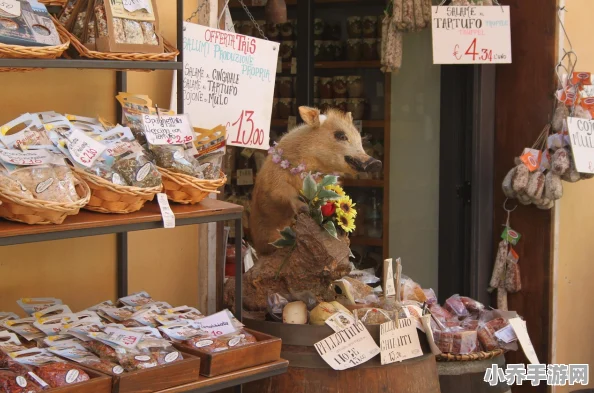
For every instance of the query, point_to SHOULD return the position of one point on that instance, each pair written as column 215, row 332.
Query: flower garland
column 277, row 158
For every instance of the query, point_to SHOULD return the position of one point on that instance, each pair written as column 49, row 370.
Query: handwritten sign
column 348, row 348
column 471, row 35
column 582, row 143
column 389, row 288
column 167, row 130
column 11, row 7
column 229, row 79
column 84, row 149
column 28, row 157
column 218, row 324
column 399, row 341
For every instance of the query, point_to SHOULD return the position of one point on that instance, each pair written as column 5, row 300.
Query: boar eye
column 340, row 136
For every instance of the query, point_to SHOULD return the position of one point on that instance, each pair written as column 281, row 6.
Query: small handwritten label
column 582, row 146
column 399, row 341
column 245, row 177
column 167, row 130
column 12, row 7
column 389, row 288
column 125, row 338
column 217, row 324
column 348, row 348
column 340, row 321
column 28, row 157
column 84, row 149
column 166, row 212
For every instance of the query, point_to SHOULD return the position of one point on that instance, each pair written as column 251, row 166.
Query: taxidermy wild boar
column 324, row 143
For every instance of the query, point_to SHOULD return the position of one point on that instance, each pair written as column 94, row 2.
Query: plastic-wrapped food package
column 132, row 360
column 351, row 291
column 239, row 339
column 374, row 316
column 456, row 341
column 410, row 290
column 148, row 32
column 276, row 304
column 50, row 368
column 366, row 277
column 137, row 170
column 441, row 313
column 102, row 350
column 101, row 18
column 13, row 185
column 24, row 328
column 470, row 323
column 486, row 333
column 454, row 305
column 11, row 382
column 136, row 299
column 431, row 296
column 209, row 165
column 472, row 305
column 176, row 159
column 77, row 353
column 160, row 349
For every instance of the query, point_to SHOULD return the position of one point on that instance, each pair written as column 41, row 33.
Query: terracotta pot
column 326, row 88
column 369, row 49
column 285, row 107
column 355, row 86
column 319, row 27
column 319, row 50
column 369, row 26
column 339, row 86
column 273, row 31
column 357, row 107
column 246, row 28
column 316, row 87
column 341, row 103
column 287, row 30
column 354, row 49
column 354, row 27
column 286, row 50
column 285, row 87
column 275, row 108
column 326, row 104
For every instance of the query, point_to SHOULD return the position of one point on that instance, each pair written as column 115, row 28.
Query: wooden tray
column 158, row 378
column 99, row 383
column 266, row 350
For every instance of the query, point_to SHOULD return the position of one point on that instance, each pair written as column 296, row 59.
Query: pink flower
column 279, row 151
column 284, row 164
column 301, row 167
column 294, row 171
column 303, row 175
column 276, row 158
column 272, row 150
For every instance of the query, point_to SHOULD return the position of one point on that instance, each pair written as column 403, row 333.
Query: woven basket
column 36, row 211
column 107, row 197
column 169, row 55
column 34, row 52
column 448, row 357
column 55, row 3
column 186, row 189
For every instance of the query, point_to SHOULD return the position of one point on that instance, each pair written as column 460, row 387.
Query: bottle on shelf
column 373, row 220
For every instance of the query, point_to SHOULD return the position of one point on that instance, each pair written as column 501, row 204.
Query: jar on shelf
column 369, row 26
column 319, row 27
column 327, row 50
column 286, row 50
column 369, row 49
column 373, row 219
column 326, row 104
column 355, row 86
column 354, row 27
column 335, row 32
column 316, row 103
column 339, row 86
column 326, row 88
column 287, row 30
column 246, row 28
column 262, row 24
column 357, row 107
column 319, row 50
column 285, row 87
column 354, row 49
column 273, row 31
column 285, row 107
column 316, row 87
column 341, row 103
column 275, row 108
column 337, row 49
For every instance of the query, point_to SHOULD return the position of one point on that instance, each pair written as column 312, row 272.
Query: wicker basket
column 34, row 52
column 54, row 3
column 186, row 189
column 36, row 211
column 448, row 357
column 107, row 197
column 169, row 55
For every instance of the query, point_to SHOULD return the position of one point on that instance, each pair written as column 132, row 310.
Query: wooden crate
column 99, row 383
column 266, row 350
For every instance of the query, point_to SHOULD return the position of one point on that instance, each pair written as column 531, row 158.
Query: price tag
column 580, row 137
column 471, row 35
column 358, row 125
column 12, row 7
column 348, row 348
column 135, row 5
column 217, row 324
column 511, row 236
column 125, row 338
column 399, row 341
column 291, row 123
column 507, row 334
column 166, row 212
column 522, row 333
column 389, row 288
column 167, row 130
column 28, row 157
column 245, row 177
column 340, row 321
column 293, row 66
column 84, row 149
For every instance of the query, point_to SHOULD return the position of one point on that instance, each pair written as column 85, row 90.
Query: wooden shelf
column 362, row 183
column 366, row 241
column 347, row 64
column 250, row 3
column 91, row 224
column 279, row 123
column 374, row 124
column 206, row 385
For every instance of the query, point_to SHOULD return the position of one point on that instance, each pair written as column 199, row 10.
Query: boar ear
column 311, row 116
column 349, row 116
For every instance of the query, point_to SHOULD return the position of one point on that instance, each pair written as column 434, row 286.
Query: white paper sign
column 218, row 324
column 245, row 177
column 348, row 348
column 399, row 341
column 471, row 35
column 426, row 322
column 582, row 143
column 135, row 5
column 84, row 149
column 166, row 212
column 229, row 79
column 340, row 321
column 12, row 7
column 389, row 288
column 125, row 338
column 167, row 130
column 522, row 333
column 28, row 157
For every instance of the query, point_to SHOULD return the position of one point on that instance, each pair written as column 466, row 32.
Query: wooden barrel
column 468, row 377
column 308, row 373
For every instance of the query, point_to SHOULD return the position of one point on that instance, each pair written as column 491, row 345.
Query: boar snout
column 369, row 165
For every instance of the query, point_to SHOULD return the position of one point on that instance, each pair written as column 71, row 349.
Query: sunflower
column 345, row 207
column 337, row 189
column 347, row 223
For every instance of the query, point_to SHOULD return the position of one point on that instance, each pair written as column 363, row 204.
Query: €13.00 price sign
column 471, row 35
column 229, row 79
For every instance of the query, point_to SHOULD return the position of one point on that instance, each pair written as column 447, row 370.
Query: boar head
column 329, row 143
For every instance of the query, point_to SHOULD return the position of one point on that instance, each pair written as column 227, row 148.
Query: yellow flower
column 345, row 206
column 337, row 189
column 346, row 223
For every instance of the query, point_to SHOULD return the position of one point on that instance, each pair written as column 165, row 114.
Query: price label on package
column 167, row 130
column 11, row 7
column 471, row 35
column 399, row 341
column 28, row 157
column 84, row 149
